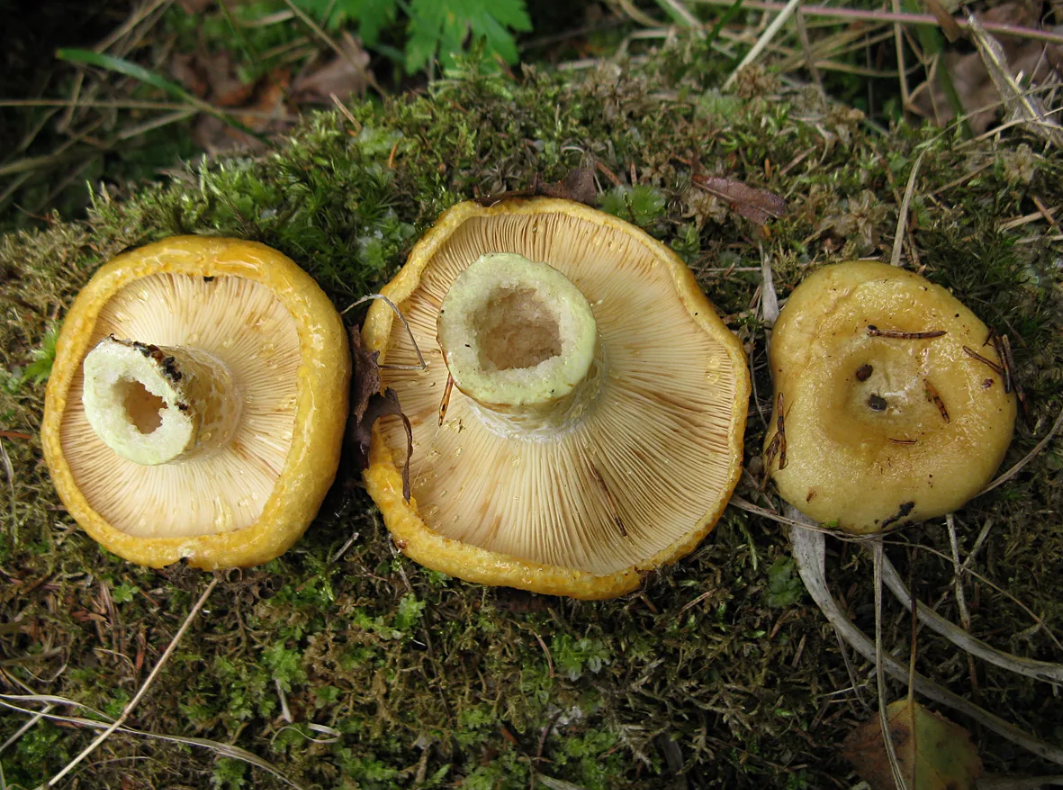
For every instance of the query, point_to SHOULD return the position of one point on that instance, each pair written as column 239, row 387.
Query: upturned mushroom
column 579, row 421
column 196, row 403
column 893, row 403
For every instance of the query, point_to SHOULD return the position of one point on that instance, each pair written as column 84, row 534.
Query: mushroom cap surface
column 881, row 428
column 256, row 311
column 635, row 484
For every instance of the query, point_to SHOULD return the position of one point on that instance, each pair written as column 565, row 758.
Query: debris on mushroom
column 889, row 417
column 580, row 418
column 196, row 405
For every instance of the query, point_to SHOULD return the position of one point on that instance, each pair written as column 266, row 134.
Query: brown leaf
column 366, row 380
column 577, row 185
column 341, row 77
column 368, row 404
column 933, row 753
column 756, row 205
column 971, row 78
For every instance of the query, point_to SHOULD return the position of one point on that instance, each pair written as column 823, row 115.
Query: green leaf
column 442, row 28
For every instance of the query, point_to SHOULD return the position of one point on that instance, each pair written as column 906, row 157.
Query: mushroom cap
column 880, row 430
column 250, row 502
column 656, row 456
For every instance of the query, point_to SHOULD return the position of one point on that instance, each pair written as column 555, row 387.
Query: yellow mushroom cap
column 630, row 479
column 248, row 494
column 889, row 418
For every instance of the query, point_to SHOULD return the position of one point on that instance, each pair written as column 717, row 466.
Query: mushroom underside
column 235, row 321
column 649, row 463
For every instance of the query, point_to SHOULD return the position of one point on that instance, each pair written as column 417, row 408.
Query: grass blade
column 127, row 68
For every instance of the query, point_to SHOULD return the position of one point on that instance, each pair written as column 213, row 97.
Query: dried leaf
column 366, row 380
column 340, row 77
column 970, row 73
column 578, row 185
column 756, row 205
column 933, row 753
column 368, row 404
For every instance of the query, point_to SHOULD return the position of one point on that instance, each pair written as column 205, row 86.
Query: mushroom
column 579, row 421
column 196, row 403
column 892, row 404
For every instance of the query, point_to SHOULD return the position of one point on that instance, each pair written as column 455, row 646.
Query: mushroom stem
column 159, row 404
column 519, row 339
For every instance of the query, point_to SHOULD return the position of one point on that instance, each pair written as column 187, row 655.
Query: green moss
column 425, row 678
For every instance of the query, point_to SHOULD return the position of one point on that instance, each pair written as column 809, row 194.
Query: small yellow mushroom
column 892, row 405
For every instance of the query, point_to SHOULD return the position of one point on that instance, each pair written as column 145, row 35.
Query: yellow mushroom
column 197, row 402
column 580, row 418
column 892, row 405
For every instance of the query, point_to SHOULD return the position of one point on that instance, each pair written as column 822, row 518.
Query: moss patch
column 355, row 668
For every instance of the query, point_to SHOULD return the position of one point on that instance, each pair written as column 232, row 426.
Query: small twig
column 874, row 331
column 902, row 217
column 1039, row 670
column 286, row 713
column 1008, row 475
column 769, row 300
column 885, row 17
column 549, row 658
column 9, row 470
column 143, row 688
column 809, row 549
column 880, row 673
column 898, row 38
column 343, row 549
column 985, row 361
column 444, row 403
column 776, row 25
column 421, row 364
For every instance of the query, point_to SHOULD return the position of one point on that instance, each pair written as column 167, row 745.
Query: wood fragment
column 1009, row 367
column 903, row 441
column 874, row 331
column 988, row 363
column 780, row 425
column 445, row 402
column 932, row 395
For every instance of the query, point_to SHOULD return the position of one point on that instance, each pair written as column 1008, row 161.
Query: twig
column 765, row 39
column 769, row 299
column 222, row 749
column 1008, row 475
column 1039, row 670
column 898, row 38
column 880, row 673
column 809, row 549
column 143, row 688
column 9, row 470
column 421, row 364
column 902, row 218
column 885, row 17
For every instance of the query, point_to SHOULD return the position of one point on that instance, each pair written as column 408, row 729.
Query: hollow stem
column 158, row 404
column 519, row 339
